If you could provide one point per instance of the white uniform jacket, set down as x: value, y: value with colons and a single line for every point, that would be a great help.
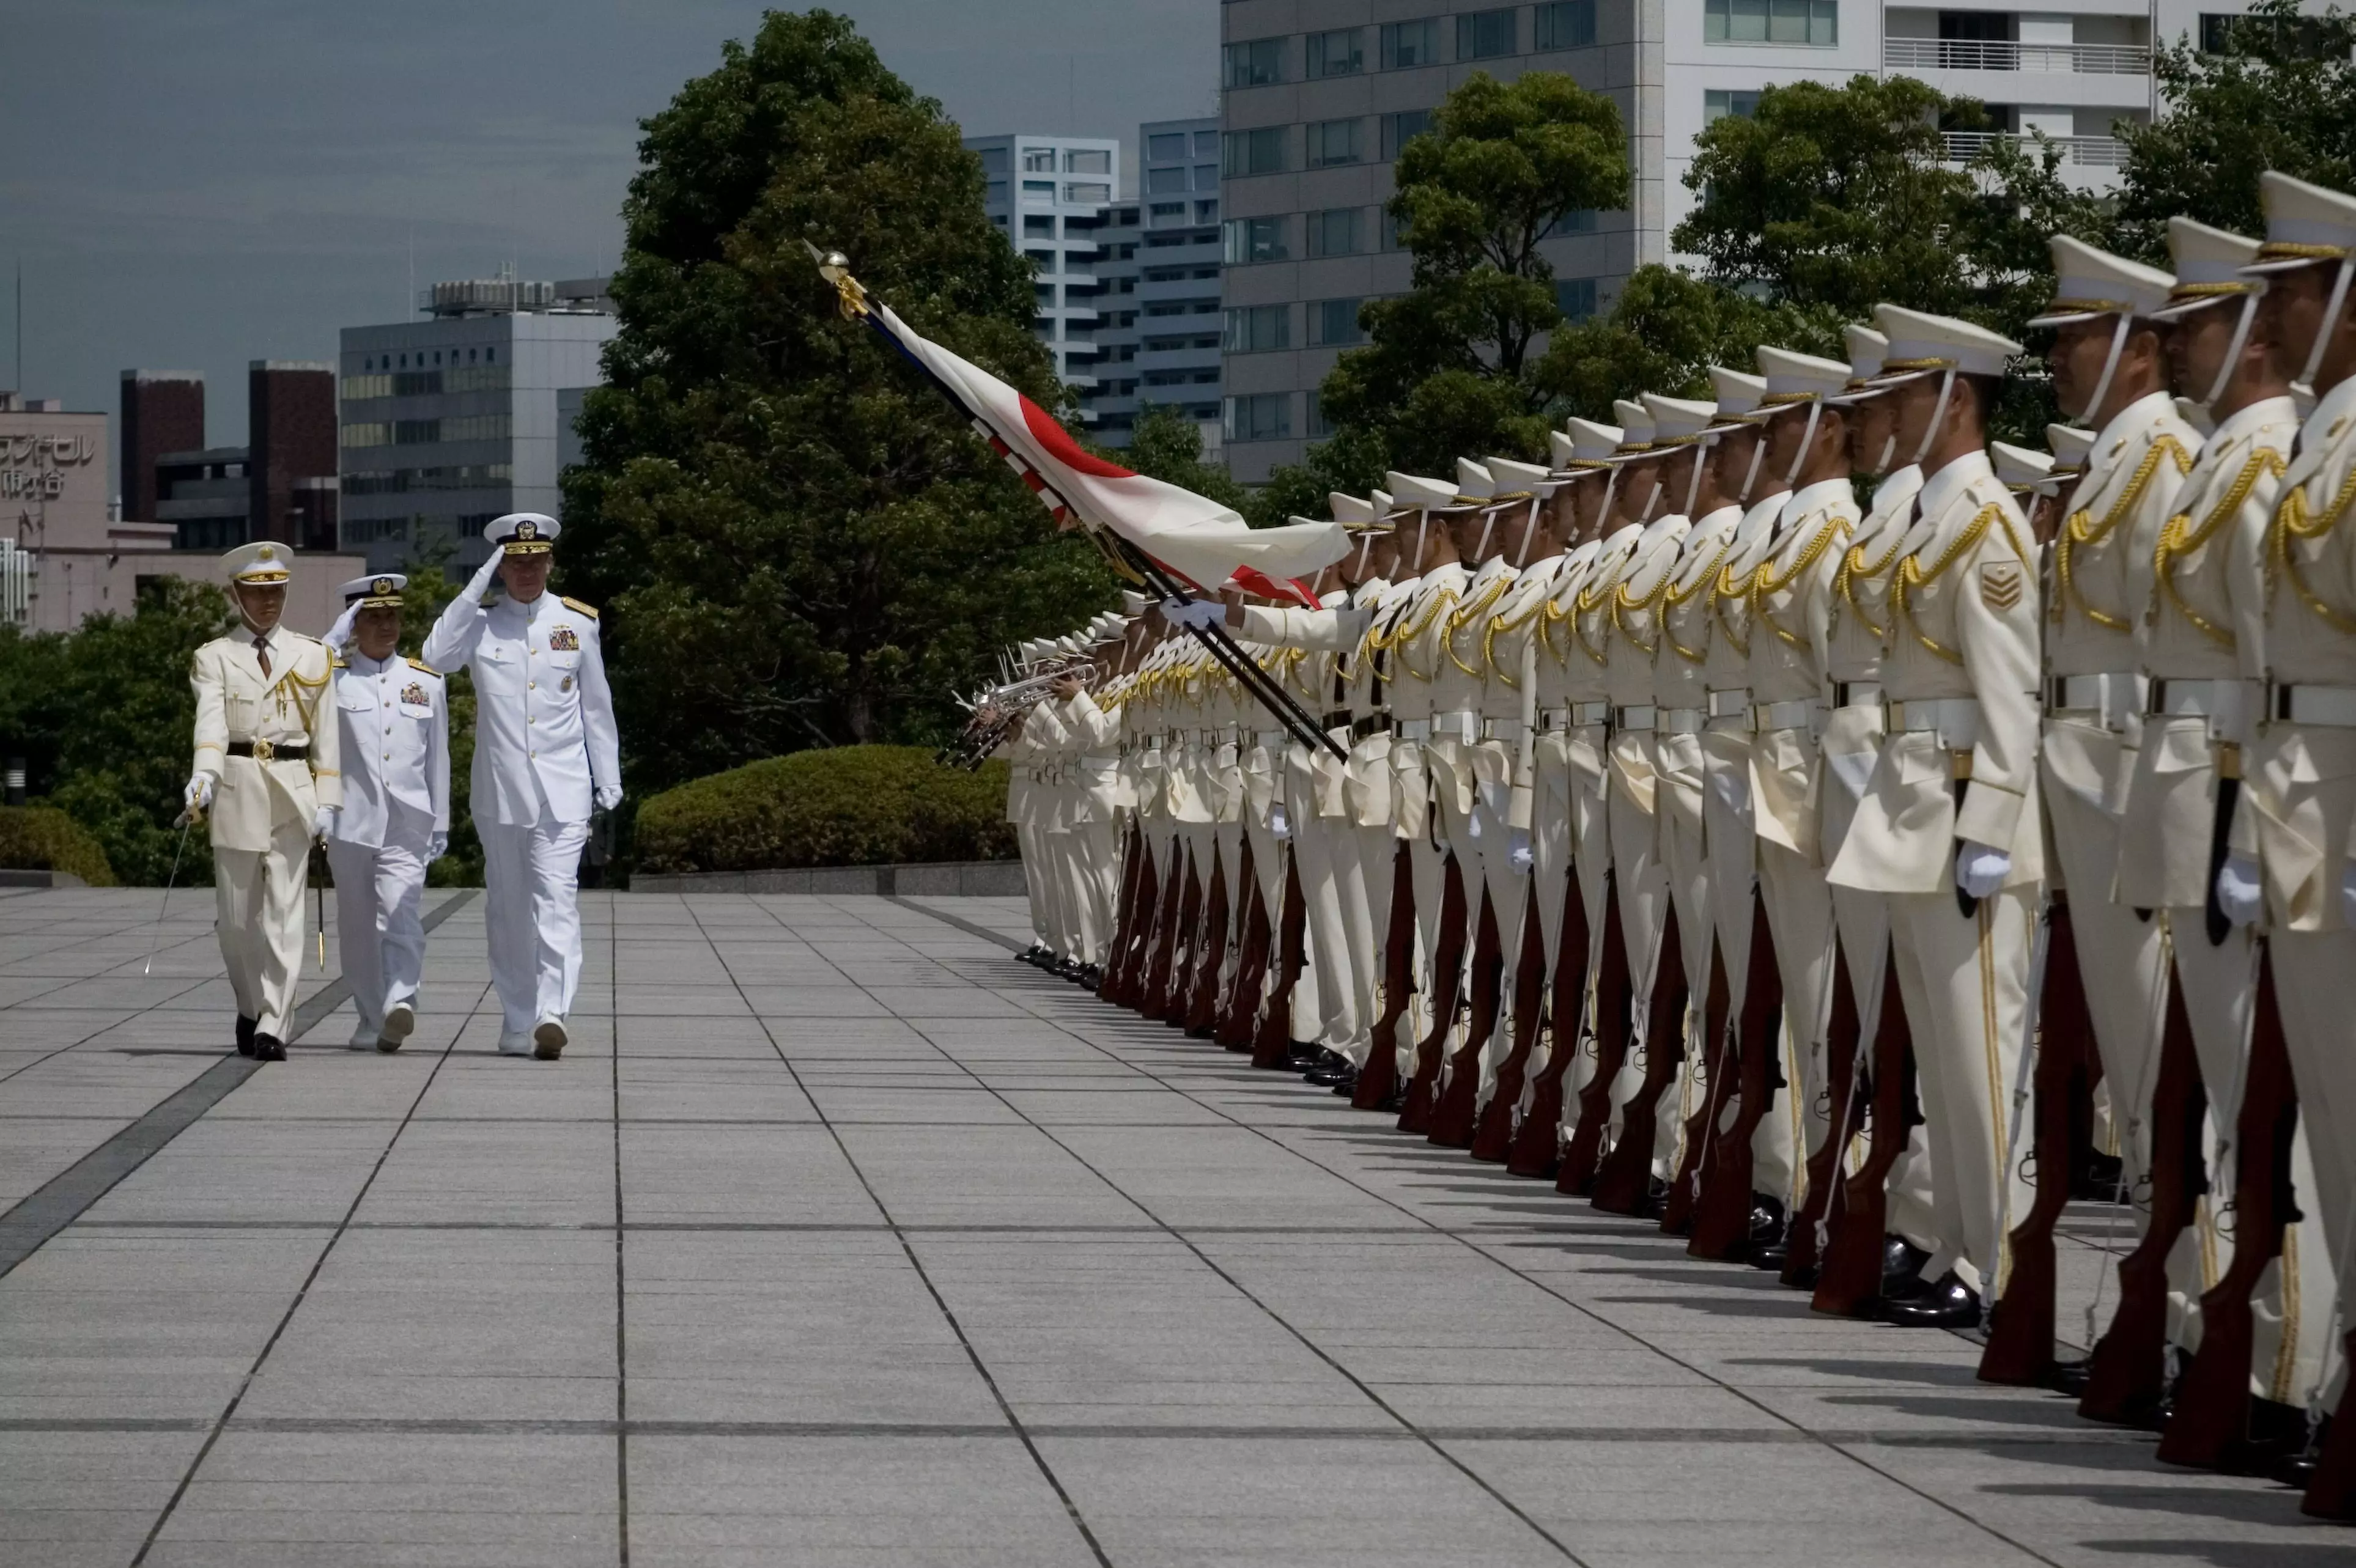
x: 238, y: 705
x: 543, y: 715
x: 395, y: 726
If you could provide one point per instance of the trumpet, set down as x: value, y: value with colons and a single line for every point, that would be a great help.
x: 998, y: 711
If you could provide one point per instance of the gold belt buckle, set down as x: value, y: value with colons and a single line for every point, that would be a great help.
x: 263, y: 751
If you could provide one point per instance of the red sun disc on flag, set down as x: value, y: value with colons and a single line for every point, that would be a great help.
x: 1064, y: 449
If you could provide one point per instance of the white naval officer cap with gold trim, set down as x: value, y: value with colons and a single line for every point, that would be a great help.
x: 523, y: 533
x: 1864, y: 348
x: 2018, y: 466
x: 2209, y: 263
x: 380, y: 591
x: 1678, y: 422
x: 2090, y: 282
x: 1922, y: 344
x: 1794, y: 380
x: 1420, y: 495
x: 1512, y: 479
x: 264, y: 564
x: 1737, y: 393
x: 1582, y: 446
x: 2305, y: 224
x: 2069, y: 444
x: 1635, y: 428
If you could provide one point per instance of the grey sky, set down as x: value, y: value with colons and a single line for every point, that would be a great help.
x: 193, y: 183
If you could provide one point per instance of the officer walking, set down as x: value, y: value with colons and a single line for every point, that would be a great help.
x: 394, y: 726
x: 265, y: 770
x: 545, y: 752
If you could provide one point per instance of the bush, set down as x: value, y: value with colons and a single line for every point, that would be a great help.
x: 846, y: 805
x: 43, y: 839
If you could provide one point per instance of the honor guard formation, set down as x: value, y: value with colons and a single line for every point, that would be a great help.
x: 1842, y: 879
x: 344, y: 741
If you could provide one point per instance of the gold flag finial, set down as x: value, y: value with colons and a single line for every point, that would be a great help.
x: 835, y: 267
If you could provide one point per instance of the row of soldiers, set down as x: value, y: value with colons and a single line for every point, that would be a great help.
x: 1829, y: 881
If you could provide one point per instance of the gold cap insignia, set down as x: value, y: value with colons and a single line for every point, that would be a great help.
x: 382, y: 585
x: 267, y: 553
x: 526, y: 529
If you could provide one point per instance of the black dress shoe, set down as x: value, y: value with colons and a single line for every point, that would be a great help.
x: 1346, y: 1085
x: 268, y: 1048
x: 1657, y: 1201
x: 245, y: 1028
x: 1766, y: 1219
x: 1771, y: 1255
x: 2067, y: 1378
x: 1950, y: 1303
x: 1902, y: 1268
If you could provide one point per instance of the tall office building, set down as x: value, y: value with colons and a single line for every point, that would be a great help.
x: 1319, y: 97
x: 1171, y: 342
x: 280, y: 486
x: 162, y: 411
x: 452, y: 420
x: 1054, y: 197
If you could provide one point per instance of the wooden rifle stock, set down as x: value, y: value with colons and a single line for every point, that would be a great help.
x: 1712, y: 1052
x: 1378, y: 1079
x: 1165, y: 934
x: 1273, y: 1043
x: 1447, y: 987
x: 1841, y: 1046
x: 1169, y: 981
x: 1202, y: 1004
x: 1848, y: 1284
x: 1615, y: 993
x: 1624, y: 1180
x: 1241, y: 1013
x: 2210, y: 1428
x: 1721, y: 1228
x: 1459, y: 1096
x: 1137, y: 879
x: 1494, y: 1136
x: 1536, y: 1147
x: 2125, y: 1378
x: 2020, y: 1325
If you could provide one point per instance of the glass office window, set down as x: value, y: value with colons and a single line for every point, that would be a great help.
x: 1484, y: 35
x: 1260, y: 63
x: 1259, y: 328
x: 1337, y: 231
x: 1333, y: 324
x: 1566, y: 25
x: 1257, y: 152
x: 1402, y: 127
x: 1333, y: 142
x: 1337, y: 53
x: 1405, y: 45
x: 1814, y: 23
x: 1263, y: 416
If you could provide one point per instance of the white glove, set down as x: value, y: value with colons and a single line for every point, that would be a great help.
x: 323, y: 821
x: 2347, y: 894
x: 1517, y: 852
x: 609, y: 796
x: 341, y: 632
x: 480, y: 584
x: 1280, y: 824
x: 437, y: 844
x: 1194, y: 614
x: 199, y: 795
x: 1473, y: 826
x: 2239, y: 891
x: 1980, y: 869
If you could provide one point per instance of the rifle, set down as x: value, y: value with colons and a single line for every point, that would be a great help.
x: 1451, y: 1118
x: 1612, y: 1032
x: 1713, y: 1050
x: 1274, y: 1042
x: 1493, y: 1138
x: 1232, y: 1028
x: 1538, y: 1138
x: 1185, y: 949
x: 1447, y: 987
x: 1721, y: 1227
x: 1202, y: 1003
x: 1624, y: 1181
x: 2020, y: 1325
x: 2126, y: 1377
x: 1124, y: 923
x: 1378, y: 1080
x: 1848, y: 1283
x: 1842, y: 1048
x: 1165, y: 939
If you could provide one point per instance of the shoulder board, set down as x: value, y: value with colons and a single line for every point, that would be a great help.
x: 302, y: 637
x: 588, y: 610
x: 429, y: 669
x: 336, y: 662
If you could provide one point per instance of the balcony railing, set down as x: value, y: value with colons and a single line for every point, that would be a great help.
x: 2086, y: 152
x: 1974, y: 54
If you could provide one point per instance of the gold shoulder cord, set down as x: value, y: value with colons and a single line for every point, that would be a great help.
x: 1672, y: 599
x: 1587, y: 604
x: 1765, y: 581
x: 1912, y: 575
x: 1442, y: 604
x: 1623, y: 605
x: 2292, y: 520
x: 2082, y: 529
x: 1733, y: 586
x: 2180, y: 539
x: 1854, y: 565
x: 1500, y: 624
x: 1460, y: 619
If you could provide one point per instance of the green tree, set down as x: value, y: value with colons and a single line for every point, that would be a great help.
x: 1449, y: 366
x: 1167, y: 445
x: 1662, y: 335
x: 794, y: 541
x: 2281, y: 94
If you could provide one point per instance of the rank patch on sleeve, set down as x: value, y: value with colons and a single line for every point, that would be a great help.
x: 563, y: 640
x: 414, y: 694
x: 2001, y: 584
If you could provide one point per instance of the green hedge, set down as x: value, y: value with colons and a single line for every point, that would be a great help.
x: 43, y: 839
x: 846, y: 805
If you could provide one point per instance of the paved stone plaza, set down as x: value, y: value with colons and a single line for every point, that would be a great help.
x: 841, y: 1237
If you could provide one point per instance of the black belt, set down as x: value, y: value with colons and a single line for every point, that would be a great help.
x: 271, y: 751
x: 1372, y: 724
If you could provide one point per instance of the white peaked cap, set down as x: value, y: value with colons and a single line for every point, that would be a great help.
x: 1677, y: 420
x: 2209, y: 263
x: 2088, y: 283
x: 1582, y: 444
x: 261, y: 563
x: 1920, y: 343
x: 1349, y: 508
x: 1737, y: 393
x: 377, y: 590
x: 1635, y: 427
x: 1794, y: 377
x: 1418, y: 494
x: 1134, y: 603
x: 2069, y: 445
x: 1472, y: 481
x: 1507, y: 474
x: 2304, y: 223
x: 2016, y: 465
x: 1383, y: 504
x: 1866, y: 347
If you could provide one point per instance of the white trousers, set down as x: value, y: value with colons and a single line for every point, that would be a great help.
x: 2315, y: 978
x: 1642, y: 883
x: 380, y: 928
x: 258, y: 909
x: 531, y: 880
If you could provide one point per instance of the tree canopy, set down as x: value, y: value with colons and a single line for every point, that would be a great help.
x: 794, y: 541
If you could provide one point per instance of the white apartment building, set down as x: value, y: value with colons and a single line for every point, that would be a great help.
x: 1318, y: 95
x: 1053, y: 197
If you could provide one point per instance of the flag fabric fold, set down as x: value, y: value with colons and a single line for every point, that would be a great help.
x: 1194, y: 538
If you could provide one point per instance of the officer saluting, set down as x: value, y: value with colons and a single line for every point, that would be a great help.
x: 266, y: 770
x: 395, y: 729
x: 545, y: 751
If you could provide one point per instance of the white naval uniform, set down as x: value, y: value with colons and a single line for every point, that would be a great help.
x: 544, y: 744
x: 263, y: 809
x: 395, y: 734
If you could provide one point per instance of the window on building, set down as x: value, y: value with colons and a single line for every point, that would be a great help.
x: 1405, y: 45
x: 417, y: 433
x: 1038, y: 229
x: 1245, y: 240
x: 1206, y: 176
x: 1575, y: 297
x: 1566, y: 25
x: 1038, y: 160
x: 1206, y: 212
x: 1578, y: 220
x: 1168, y: 214
x: 1337, y: 53
x: 1087, y: 161
x: 1401, y: 128
x: 1815, y: 22
x: 1160, y: 182
x: 490, y: 355
x: 1256, y: 329
x: 1333, y: 324
x: 1317, y: 425
x: 993, y: 160
x: 1260, y: 63
x: 1038, y: 190
x: 1257, y: 152
x: 2297, y: 38
x: 1717, y: 102
x: 355, y: 388
x: 1484, y: 35
x: 1166, y: 146
x: 1087, y: 192
x: 1394, y: 231
x: 1333, y: 142
x: 1207, y: 143
x: 368, y: 433
x: 1337, y: 231
x: 1263, y: 416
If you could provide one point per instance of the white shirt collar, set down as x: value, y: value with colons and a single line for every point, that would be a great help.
x: 1812, y: 498
x: 2245, y: 422
x: 2136, y: 414
x: 1943, y: 487
x: 2332, y: 408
